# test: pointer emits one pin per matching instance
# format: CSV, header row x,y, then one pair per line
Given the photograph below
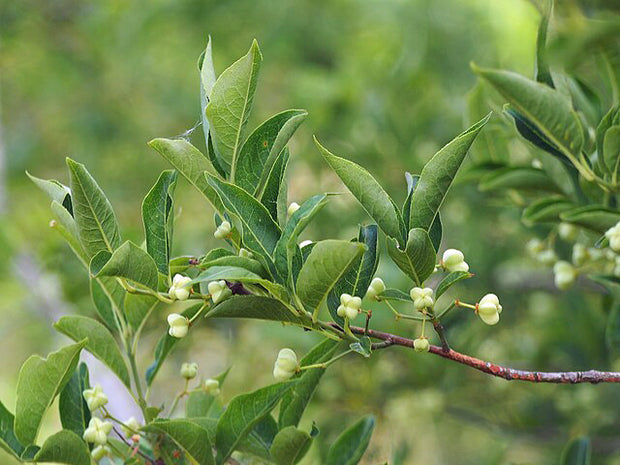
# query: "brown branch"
x,y
563,377
441,332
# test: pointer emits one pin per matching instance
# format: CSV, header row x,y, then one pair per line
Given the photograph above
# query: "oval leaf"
x,y
64,447
130,262
351,445
418,259
190,437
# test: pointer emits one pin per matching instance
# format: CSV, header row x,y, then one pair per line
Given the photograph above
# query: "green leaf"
x,y
373,198
450,280
67,227
395,294
273,185
263,146
259,232
191,163
138,307
611,150
577,452
242,414
235,261
363,347
200,403
328,261
546,110
74,412
546,210
594,217
258,442
287,249
418,259
189,436
229,107
40,381
157,218
606,122
165,345
351,445
56,191
97,226
108,297
64,447
437,177
290,446
522,178
8,440
100,343
129,262
295,401
207,79
542,72
254,307
356,281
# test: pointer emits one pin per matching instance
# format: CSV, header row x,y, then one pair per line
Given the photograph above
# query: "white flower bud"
x,y
245,253
489,309
422,297
580,254
179,325
547,257
596,254
534,247
377,286
292,208
219,291
100,452
568,231
189,370
181,286
421,344
286,365
454,260
223,230
130,427
97,431
613,235
302,244
211,386
349,306
565,275
95,397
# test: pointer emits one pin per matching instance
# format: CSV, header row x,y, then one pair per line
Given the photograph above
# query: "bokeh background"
x,y
386,83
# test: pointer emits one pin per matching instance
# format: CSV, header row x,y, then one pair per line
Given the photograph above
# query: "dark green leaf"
x,y
74,412
351,445
273,185
129,262
97,226
594,217
229,107
290,445
437,177
254,307
521,178
100,343
418,259
377,203
242,414
546,210
8,440
64,447
157,217
577,452
328,261
542,72
611,150
363,347
40,381
447,282
189,436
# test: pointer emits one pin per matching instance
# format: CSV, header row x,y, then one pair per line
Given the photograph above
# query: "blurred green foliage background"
x,y
386,85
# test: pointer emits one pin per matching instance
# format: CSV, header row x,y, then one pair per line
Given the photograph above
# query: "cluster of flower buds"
x,y
349,306
97,431
95,397
489,308
189,370
223,230
211,386
377,286
219,291
286,365
422,298
454,260
181,287
130,427
539,252
178,325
